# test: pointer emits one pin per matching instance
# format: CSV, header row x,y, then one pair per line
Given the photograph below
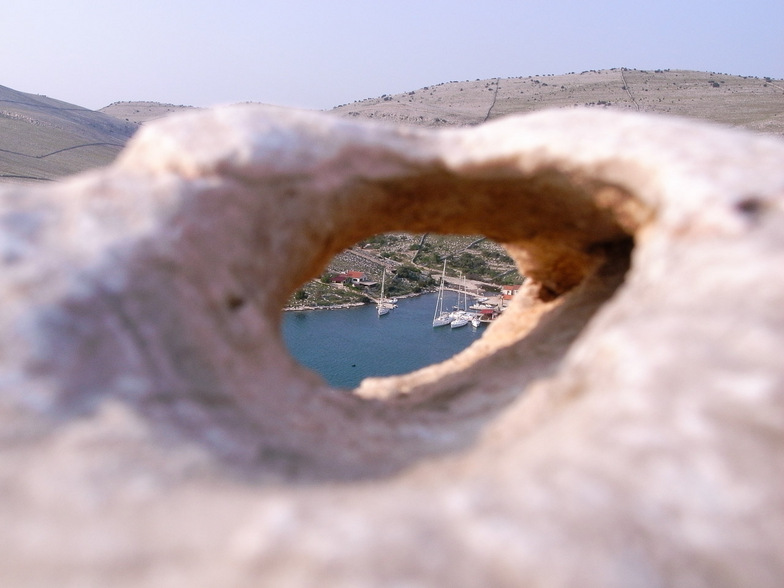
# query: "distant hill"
x,y
44,139
750,102
141,112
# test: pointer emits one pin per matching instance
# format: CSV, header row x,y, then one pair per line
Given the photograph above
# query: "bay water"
x,y
346,345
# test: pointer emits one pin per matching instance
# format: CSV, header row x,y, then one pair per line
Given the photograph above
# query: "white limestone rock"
x,y
621,425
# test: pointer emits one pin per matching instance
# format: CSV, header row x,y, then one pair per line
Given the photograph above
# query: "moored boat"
x,y
461,316
461,320
384,306
441,318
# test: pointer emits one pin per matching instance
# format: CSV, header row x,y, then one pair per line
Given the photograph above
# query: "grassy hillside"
x,y
751,102
43,139
142,112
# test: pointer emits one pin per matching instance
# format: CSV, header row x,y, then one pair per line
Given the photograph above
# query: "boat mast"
x,y
440,300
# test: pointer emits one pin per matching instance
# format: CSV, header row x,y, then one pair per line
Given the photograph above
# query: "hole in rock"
x,y
569,234
380,309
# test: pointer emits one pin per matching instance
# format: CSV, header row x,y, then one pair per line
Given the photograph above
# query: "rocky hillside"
x,y
45,139
754,103
743,101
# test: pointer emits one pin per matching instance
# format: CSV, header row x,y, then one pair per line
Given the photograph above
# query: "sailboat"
x,y
441,318
461,316
383,306
461,320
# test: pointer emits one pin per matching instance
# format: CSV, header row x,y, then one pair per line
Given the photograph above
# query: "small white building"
x,y
508,292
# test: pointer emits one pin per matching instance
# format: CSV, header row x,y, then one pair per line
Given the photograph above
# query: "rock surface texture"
x,y
621,425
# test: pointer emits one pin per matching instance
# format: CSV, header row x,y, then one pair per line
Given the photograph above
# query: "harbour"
x,y
347,345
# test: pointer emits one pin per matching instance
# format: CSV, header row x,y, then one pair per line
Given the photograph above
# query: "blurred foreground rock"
x,y
622,425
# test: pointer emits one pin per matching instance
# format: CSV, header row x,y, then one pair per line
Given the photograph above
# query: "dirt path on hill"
x,y
628,91
495,97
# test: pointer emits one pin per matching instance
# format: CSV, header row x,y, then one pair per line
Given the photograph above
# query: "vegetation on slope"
x,y
413,264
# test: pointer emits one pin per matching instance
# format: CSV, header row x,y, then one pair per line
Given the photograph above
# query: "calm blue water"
x,y
347,345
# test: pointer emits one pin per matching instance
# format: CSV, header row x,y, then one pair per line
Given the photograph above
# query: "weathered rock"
x,y
621,425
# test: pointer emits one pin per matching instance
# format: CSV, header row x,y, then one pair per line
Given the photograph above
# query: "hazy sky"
x,y
321,53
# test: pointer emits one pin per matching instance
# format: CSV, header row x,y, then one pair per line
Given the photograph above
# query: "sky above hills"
x,y
319,54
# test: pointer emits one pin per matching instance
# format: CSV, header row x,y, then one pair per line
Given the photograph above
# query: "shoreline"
x,y
356,304
326,307
347,304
